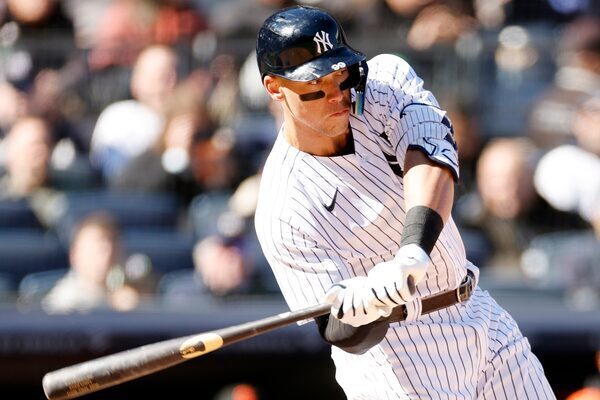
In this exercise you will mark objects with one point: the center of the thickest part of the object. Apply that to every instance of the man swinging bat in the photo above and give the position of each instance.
(354, 208)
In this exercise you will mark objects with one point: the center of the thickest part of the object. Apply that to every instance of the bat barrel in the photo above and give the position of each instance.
(103, 372)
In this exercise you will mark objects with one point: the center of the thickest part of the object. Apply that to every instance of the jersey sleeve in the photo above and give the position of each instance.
(409, 115)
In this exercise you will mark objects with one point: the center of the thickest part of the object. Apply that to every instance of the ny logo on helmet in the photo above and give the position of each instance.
(322, 40)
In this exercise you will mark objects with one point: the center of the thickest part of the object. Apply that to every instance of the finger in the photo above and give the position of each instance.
(376, 298)
(410, 282)
(348, 307)
(366, 306)
(392, 295)
(405, 291)
(333, 292)
(385, 311)
(336, 310)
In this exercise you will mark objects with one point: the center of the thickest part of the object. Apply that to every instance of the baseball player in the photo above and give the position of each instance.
(354, 209)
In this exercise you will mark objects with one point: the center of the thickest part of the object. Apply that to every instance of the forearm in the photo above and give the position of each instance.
(355, 340)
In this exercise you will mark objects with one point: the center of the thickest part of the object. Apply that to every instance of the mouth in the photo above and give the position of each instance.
(340, 112)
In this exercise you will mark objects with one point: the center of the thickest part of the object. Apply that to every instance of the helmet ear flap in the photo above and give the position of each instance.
(357, 79)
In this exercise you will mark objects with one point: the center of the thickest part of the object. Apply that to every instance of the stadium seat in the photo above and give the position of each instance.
(25, 251)
(7, 287)
(17, 214)
(205, 210)
(33, 287)
(567, 259)
(132, 210)
(167, 250)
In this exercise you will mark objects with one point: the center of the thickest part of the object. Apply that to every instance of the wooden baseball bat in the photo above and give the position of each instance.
(100, 373)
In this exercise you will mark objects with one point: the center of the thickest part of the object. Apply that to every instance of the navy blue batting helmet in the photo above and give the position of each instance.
(305, 43)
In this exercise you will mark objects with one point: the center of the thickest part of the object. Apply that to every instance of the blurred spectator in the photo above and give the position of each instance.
(166, 167)
(252, 93)
(507, 209)
(128, 26)
(588, 393)
(576, 80)
(227, 257)
(28, 146)
(439, 24)
(86, 16)
(14, 106)
(407, 8)
(469, 140)
(37, 42)
(490, 14)
(568, 177)
(223, 100)
(214, 162)
(49, 96)
(224, 267)
(351, 13)
(127, 128)
(178, 21)
(426, 23)
(242, 18)
(238, 391)
(36, 35)
(94, 255)
(493, 14)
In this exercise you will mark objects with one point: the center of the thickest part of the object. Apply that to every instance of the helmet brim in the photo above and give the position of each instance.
(323, 65)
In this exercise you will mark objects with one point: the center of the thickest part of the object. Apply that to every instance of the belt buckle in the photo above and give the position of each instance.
(464, 290)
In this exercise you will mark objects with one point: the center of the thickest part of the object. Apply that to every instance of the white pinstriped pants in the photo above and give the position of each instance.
(472, 350)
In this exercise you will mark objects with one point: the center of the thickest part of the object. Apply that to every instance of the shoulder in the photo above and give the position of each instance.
(120, 107)
(125, 109)
(388, 68)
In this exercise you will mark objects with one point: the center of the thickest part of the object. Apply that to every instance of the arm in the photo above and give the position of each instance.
(428, 195)
(427, 184)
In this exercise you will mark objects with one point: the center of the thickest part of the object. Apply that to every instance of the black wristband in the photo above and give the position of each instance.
(422, 227)
(355, 340)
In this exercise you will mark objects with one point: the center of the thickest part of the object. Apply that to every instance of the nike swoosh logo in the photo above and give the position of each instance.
(332, 205)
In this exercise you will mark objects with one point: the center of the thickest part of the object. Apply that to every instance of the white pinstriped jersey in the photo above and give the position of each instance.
(324, 219)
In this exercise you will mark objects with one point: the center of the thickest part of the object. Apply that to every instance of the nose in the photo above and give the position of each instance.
(334, 93)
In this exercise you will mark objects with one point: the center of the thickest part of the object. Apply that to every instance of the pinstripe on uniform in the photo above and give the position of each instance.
(323, 219)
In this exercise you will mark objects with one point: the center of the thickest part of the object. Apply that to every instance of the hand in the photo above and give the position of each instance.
(350, 304)
(392, 283)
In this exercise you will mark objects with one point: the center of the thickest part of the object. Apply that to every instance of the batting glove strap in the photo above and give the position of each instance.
(355, 340)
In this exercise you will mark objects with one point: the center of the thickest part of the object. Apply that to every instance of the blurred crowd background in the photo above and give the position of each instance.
(132, 134)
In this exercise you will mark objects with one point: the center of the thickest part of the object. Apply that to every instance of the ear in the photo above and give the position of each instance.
(273, 88)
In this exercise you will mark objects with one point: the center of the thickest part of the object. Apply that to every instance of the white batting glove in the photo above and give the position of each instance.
(350, 302)
(392, 283)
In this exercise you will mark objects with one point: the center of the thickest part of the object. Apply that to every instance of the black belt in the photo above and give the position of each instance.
(440, 300)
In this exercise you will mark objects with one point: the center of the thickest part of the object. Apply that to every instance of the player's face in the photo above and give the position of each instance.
(327, 115)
